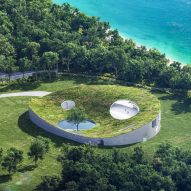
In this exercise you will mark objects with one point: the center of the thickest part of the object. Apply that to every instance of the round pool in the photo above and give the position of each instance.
(69, 126)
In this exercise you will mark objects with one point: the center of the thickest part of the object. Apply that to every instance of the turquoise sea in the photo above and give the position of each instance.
(164, 24)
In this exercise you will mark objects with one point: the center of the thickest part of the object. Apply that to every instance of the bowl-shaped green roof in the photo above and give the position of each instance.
(96, 100)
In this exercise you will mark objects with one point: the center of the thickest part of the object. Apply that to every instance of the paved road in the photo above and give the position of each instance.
(16, 75)
(30, 94)
(19, 75)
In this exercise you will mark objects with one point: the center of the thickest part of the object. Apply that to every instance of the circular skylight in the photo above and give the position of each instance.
(68, 105)
(124, 109)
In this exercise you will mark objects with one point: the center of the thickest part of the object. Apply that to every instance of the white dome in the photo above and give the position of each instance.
(123, 109)
(68, 105)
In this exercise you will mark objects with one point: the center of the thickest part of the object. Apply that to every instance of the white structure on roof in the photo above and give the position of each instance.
(124, 109)
(68, 105)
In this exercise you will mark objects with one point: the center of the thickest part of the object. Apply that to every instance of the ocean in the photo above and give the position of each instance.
(164, 24)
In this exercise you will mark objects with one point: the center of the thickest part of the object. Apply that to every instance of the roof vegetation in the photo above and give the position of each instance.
(96, 100)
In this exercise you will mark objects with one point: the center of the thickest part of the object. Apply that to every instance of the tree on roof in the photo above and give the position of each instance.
(77, 116)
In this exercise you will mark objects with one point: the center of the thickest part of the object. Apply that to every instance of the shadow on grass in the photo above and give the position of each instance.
(5, 178)
(28, 127)
(182, 107)
(118, 147)
(30, 167)
(181, 104)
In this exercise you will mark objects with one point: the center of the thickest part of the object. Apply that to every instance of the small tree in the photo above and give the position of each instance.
(77, 116)
(72, 186)
(24, 65)
(50, 62)
(138, 156)
(49, 183)
(68, 52)
(38, 149)
(11, 161)
(7, 65)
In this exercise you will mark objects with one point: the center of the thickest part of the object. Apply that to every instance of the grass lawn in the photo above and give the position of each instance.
(16, 130)
(96, 100)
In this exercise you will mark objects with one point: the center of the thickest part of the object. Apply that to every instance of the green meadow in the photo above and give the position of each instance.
(17, 130)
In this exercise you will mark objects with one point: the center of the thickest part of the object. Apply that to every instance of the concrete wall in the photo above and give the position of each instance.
(142, 134)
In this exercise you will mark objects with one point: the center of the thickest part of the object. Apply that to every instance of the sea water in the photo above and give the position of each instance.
(164, 24)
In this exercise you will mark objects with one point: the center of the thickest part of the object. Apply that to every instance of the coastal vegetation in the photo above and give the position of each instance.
(39, 35)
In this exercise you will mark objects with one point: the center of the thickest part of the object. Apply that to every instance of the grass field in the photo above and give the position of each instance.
(96, 100)
(16, 130)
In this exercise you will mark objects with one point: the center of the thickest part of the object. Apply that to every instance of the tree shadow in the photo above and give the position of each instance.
(164, 97)
(5, 178)
(117, 146)
(30, 167)
(26, 125)
(181, 105)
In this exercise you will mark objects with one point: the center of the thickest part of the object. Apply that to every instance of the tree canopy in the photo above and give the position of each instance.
(77, 116)
(38, 149)
(41, 35)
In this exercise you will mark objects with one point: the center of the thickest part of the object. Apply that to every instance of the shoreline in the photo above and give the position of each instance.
(113, 26)
(125, 37)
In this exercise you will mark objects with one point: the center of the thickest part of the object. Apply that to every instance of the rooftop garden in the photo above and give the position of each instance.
(96, 100)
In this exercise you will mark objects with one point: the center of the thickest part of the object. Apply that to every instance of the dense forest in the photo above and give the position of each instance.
(86, 170)
(83, 168)
(39, 35)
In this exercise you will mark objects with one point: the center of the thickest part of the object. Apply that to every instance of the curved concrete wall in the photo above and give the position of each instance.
(142, 134)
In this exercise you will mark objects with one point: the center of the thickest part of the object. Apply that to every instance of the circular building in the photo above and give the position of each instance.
(114, 115)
